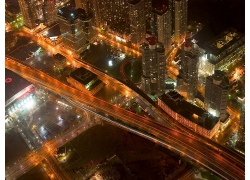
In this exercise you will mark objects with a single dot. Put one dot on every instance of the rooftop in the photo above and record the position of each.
(59, 57)
(188, 110)
(54, 31)
(83, 75)
(14, 84)
(223, 41)
(220, 76)
(160, 10)
(152, 40)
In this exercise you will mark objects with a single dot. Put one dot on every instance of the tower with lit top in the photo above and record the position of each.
(137, 21)
(162, 25)
(153, 66)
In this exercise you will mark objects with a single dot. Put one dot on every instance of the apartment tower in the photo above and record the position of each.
(153, 66)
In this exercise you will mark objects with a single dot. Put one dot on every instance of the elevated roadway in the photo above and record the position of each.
(226, 164)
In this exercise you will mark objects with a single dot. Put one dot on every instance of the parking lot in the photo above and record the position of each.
(52, 119)
(15, 147)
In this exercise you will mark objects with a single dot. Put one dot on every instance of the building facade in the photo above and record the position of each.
(84, 80)
(153, 66)
(222, 50)
(137, 21)
(29, 11)
(216, 93)
(49, 12)
(189, 115)
(76, 27)
(180, 20)
(187, 79)
(162, 25)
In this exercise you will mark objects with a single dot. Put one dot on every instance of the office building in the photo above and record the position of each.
(189, 115)
(162, 25)
(241, 129)
(29, 11)
(49, 12)
(153, 66)
(85, 81)
(216, 93)
(240, 144)
(75, 25)
(137, 21)
(222, 50)
(188, 75)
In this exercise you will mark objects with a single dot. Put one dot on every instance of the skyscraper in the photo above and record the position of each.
(29, 11)
(216, 93)
(180, 19)
(75, 27)
(241, 129)
(188, 75)
(137, 21)
(49, 12)
(162, 25)
(147, 8)
(153, 66)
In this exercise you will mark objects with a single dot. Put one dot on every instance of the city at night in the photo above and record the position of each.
(124, 90)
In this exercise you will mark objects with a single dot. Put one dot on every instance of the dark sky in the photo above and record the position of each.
(221, 13)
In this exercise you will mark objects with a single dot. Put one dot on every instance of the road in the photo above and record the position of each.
(217, 159)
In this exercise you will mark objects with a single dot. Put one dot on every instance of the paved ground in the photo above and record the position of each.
(37, 173)
(15, 147)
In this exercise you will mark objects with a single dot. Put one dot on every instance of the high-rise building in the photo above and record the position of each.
(162, 25)
(49, 12)
(112, 11)
(222, 50)
(75, 27)
(216, 93)
(153, 66)
(147, 8)
(137, 21)
(180, 18)
(188, 75)
(241, 129)
(29, 11)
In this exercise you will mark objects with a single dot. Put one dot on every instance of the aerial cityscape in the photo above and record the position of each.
(124, 90)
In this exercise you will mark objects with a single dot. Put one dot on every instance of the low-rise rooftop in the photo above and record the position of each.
(59, 57)
(14, 84)
(83, 75)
